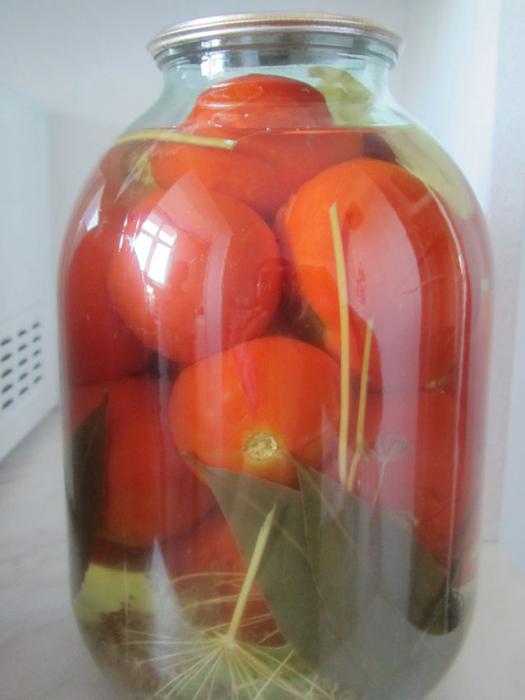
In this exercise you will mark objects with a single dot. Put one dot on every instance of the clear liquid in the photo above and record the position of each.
(333, 567)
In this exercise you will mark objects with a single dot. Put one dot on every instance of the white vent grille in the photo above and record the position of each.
(27, 373)
(21, 363)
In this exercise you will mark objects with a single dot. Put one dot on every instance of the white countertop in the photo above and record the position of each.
(43, 658)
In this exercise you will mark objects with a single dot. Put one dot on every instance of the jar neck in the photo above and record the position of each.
(368, 62)
(351, 72)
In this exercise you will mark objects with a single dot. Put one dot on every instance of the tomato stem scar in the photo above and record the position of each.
(261, 447)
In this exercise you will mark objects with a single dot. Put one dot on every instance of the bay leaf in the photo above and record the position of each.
(84, 490)
(381, 544)
(384, 590)
(350, 588)
(285, 572)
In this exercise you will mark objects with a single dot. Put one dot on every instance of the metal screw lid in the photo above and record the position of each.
(220, 26)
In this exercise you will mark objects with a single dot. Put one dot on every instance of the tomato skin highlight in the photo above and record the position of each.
(195, 273)
(283, 132)
(257, 408)
(403, 269)
(149, 492)
(98, 344)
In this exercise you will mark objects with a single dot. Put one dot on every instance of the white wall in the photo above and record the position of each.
(449, 66)
(508, 221)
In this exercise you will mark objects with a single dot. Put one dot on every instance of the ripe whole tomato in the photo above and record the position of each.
(98, 345)
(149, 492)
(195, 272)
(402, 265)
(257, 408)
(261, 102)
(283, 133)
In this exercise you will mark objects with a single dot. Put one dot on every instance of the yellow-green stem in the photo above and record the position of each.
(344, 323)
(272, 676)
(361, 411)
(253, 568)
(176, 137)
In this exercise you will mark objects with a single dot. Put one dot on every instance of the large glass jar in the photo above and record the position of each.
(275, 298)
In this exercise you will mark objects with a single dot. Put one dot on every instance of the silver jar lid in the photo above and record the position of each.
(229, 26)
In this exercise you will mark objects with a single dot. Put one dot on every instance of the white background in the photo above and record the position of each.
(86, 64)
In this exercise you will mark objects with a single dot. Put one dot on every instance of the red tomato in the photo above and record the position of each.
(258, 407)
(149, 493)
(195, 272)
(290, 285)
(237, 173)
(265, 167)
(261, 102)
(262, 170)
(417, 465)
(98, 345)
(294, 318)
(211, 549)
(403, 269)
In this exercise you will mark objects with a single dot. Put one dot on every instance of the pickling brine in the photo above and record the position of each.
(276, 307)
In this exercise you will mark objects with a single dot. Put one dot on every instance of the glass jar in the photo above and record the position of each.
(275, 296)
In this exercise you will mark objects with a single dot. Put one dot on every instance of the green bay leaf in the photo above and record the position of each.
(382, 588)
(284, 572)
(84, 490)
(350, 588)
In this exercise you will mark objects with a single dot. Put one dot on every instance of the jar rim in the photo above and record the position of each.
(231, 25)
